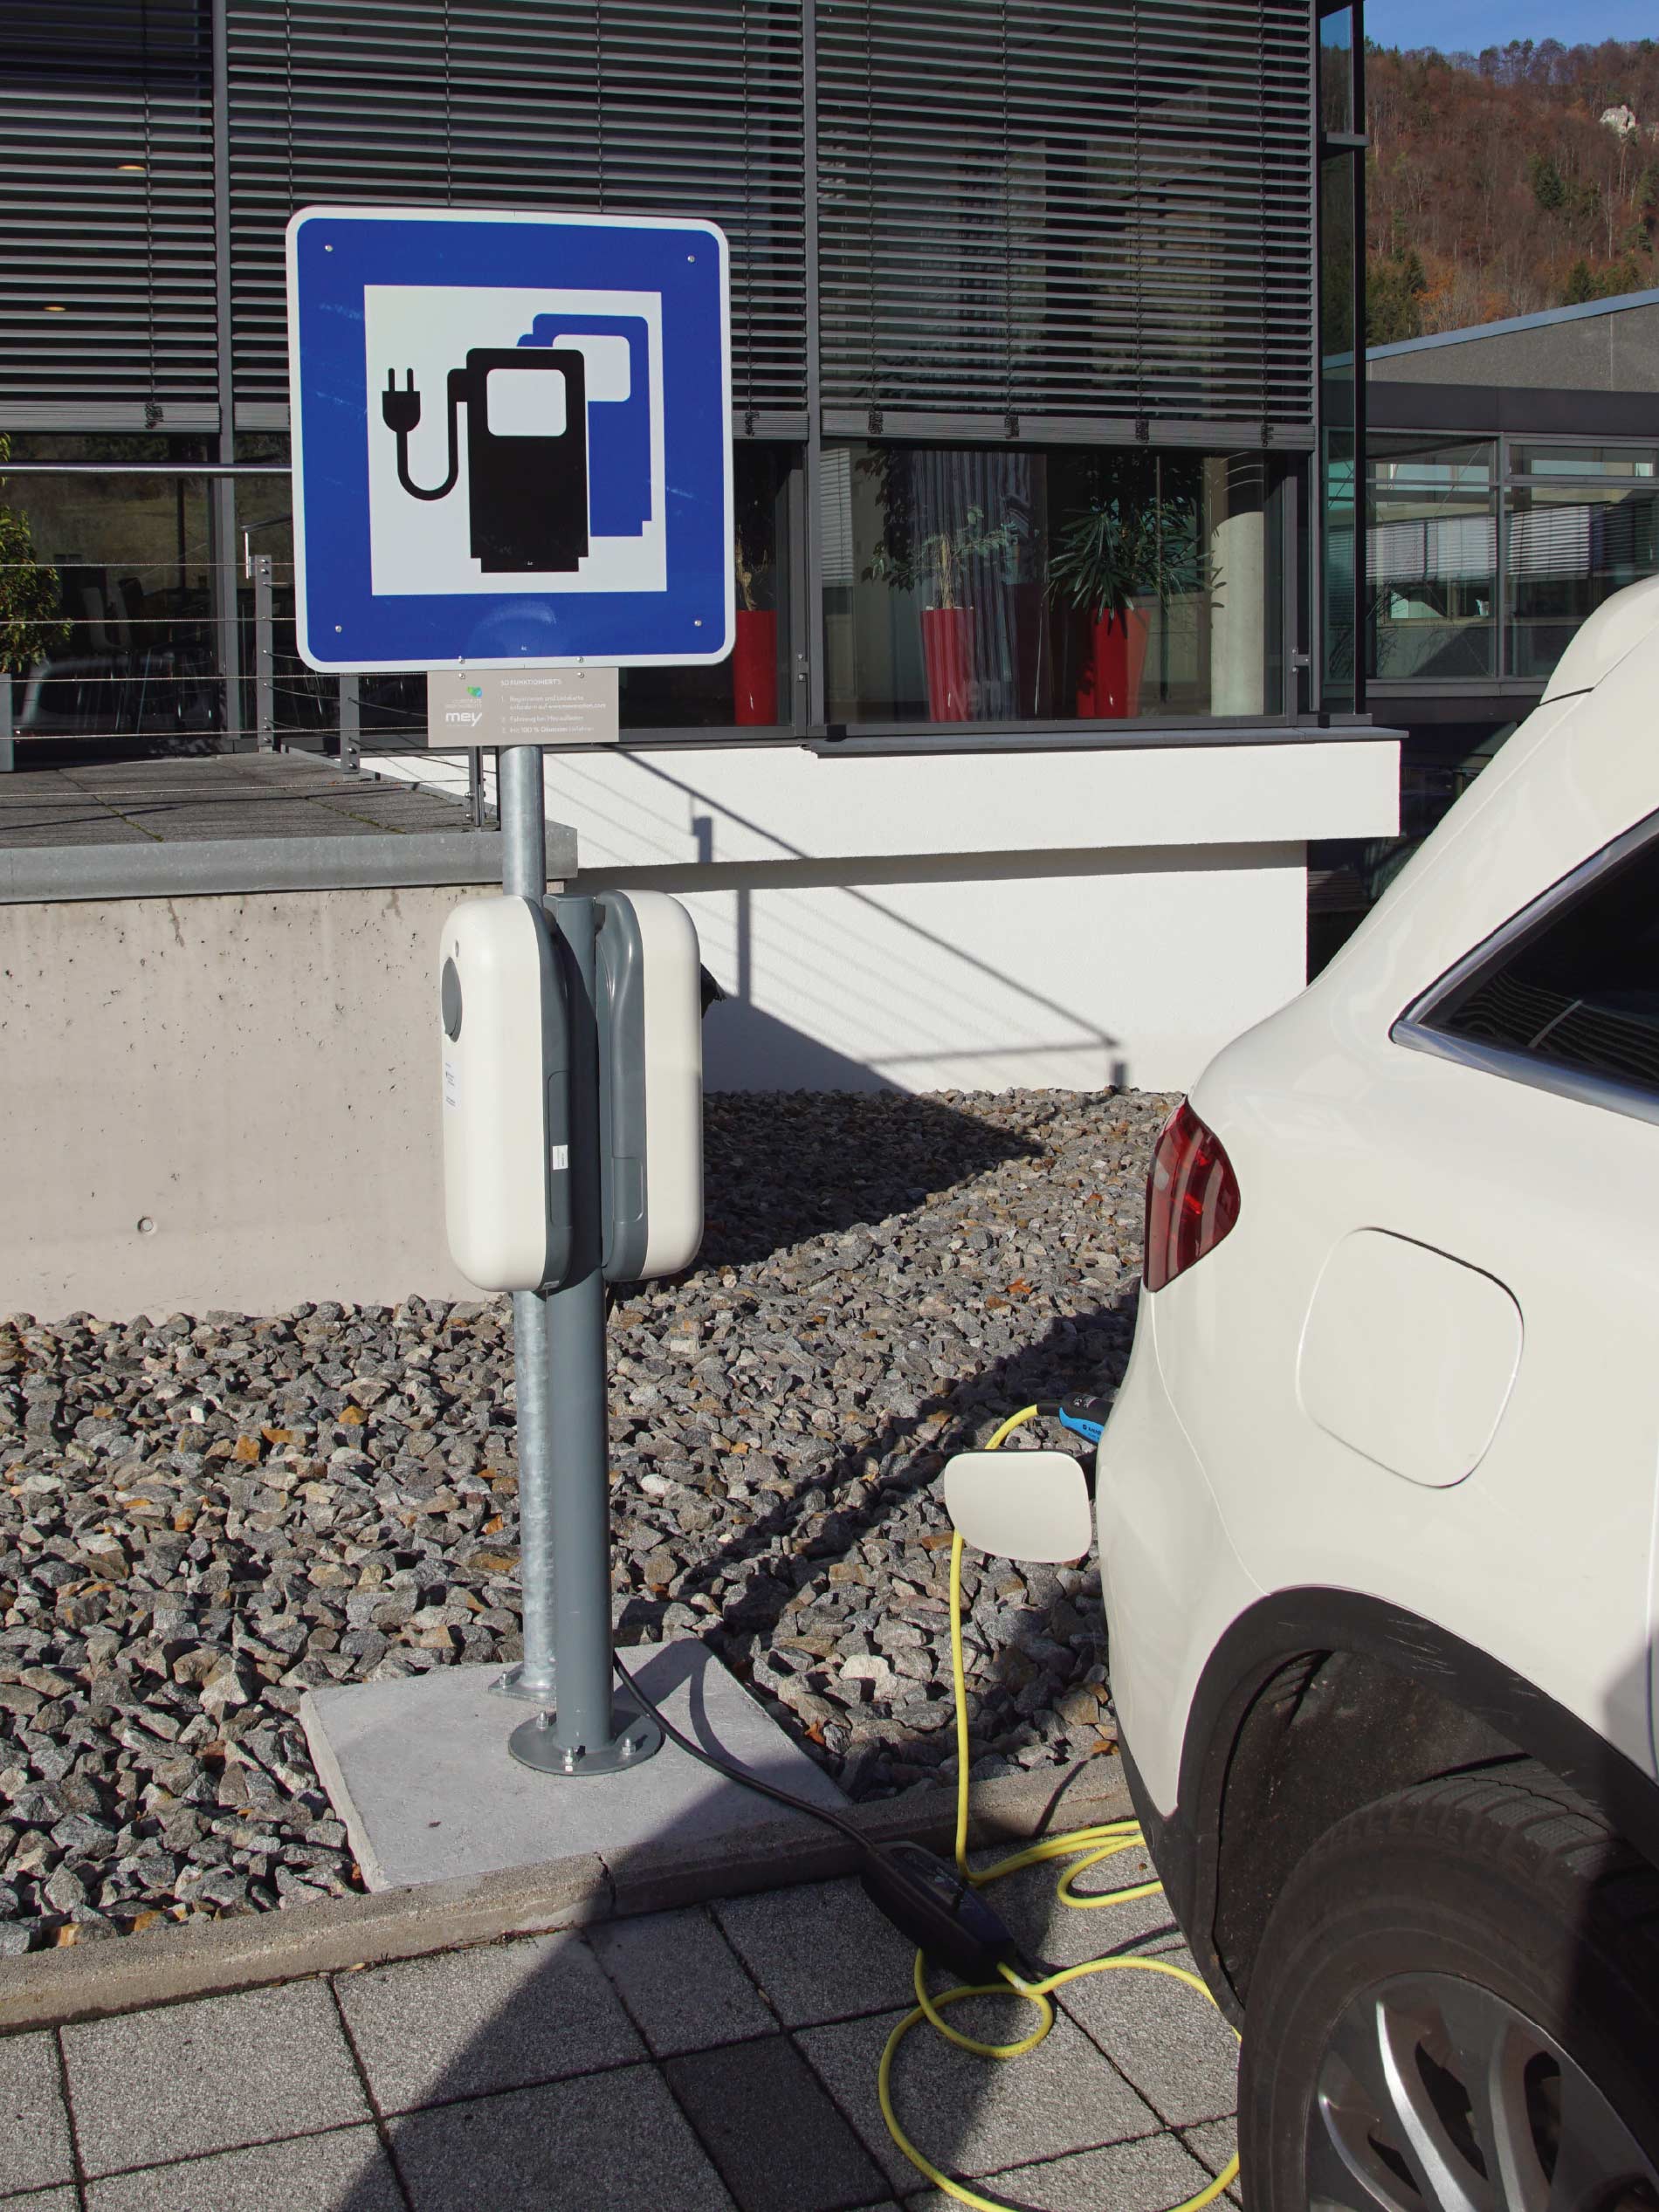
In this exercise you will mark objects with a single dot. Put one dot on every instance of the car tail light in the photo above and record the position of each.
(1191, 1197)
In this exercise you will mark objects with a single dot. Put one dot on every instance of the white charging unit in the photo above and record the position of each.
(505, 1034)
(648, 989)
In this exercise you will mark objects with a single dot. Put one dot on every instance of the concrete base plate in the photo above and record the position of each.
(419, 1771)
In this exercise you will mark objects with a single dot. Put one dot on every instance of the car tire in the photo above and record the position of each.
(1455, 2004)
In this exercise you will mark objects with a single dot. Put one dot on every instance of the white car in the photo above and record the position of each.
(1377, 1505)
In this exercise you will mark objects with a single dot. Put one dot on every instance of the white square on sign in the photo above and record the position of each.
(524, 407)
(422, 545)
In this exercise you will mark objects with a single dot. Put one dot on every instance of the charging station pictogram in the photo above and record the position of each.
(512, 439)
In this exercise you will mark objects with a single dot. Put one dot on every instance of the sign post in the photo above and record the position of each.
(512, 451)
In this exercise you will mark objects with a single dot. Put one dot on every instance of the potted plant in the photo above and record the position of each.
(31, 618)
(754, 657)
(1131, 542)
(937, 563)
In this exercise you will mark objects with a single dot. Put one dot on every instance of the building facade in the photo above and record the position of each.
(1048, 573)
(1512, 484)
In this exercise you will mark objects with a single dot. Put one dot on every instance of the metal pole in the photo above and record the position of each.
(475, 786)
(524, 874)
(558, 1362)
(264, 695)
(8, 750)
(351, 748)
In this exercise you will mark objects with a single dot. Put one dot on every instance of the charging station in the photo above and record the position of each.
(490, 410)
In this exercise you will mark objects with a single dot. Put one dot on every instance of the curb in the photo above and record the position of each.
(51, 1988)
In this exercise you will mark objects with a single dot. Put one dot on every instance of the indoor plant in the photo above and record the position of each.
(755, 654)
(1133, 541)
(936, 561)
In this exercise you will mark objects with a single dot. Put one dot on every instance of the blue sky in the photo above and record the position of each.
(1493, 22)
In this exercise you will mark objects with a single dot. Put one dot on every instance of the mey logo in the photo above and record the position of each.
(463, 716)
(515, 440)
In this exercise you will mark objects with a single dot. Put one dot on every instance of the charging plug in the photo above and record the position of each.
(943, 1915)
(400, 411)
(1084, 1417)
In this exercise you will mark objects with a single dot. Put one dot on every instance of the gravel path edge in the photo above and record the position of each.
(214, 1958)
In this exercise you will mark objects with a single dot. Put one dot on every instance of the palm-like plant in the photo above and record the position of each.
(31, 620)
(1135, 538)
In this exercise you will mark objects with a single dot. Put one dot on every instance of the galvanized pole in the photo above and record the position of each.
(8, 748)
(524, 874)
(559, 1361)
(265, 697)
(351, 728)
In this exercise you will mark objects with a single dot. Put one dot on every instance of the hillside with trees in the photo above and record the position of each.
(1499, 183)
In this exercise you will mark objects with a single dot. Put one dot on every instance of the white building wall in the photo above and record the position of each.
(975, 920)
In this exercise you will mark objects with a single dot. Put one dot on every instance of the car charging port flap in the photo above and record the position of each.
(939, 1911)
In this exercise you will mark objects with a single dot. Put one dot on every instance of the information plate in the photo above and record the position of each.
(521, 706)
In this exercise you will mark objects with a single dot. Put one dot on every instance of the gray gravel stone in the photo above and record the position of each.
(199, 1520)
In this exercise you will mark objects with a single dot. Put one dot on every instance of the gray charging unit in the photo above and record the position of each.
(572, 1088)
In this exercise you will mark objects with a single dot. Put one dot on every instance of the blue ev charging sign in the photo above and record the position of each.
(512, 439)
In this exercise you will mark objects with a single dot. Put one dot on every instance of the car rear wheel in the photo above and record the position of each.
(1456, 2008)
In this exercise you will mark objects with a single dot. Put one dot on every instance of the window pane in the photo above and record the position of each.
(1568, 551)
(966, 585)
(1582, 990)
(106, 599)
(1338, 461)
(1432, 561)
(1583, 460)
(751, 689)
(1336, 70)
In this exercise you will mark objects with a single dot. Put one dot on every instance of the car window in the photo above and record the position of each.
(1580, 989)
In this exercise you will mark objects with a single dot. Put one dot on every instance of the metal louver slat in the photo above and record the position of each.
(613, 106)
(106, 212)
(1077, 212)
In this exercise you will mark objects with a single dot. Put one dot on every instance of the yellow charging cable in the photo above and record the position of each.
(1085, 1847)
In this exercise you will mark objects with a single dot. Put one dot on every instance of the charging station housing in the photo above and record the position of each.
(648, 985)
(506, 1041)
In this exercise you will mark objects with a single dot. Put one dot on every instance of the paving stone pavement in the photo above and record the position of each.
(693, 2061)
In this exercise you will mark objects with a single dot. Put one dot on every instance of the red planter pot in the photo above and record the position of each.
(948, 655)
(1110, 691)
(754, 667)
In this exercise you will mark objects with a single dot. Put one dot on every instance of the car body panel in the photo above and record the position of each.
(1543, 1557)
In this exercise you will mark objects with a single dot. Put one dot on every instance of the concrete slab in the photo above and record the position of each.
(210, 2077)
(419, 1771)
(1169, 2039)
(614, 2140)
(1130, 2177)
(969, 2116)
(680, 1981)
(431, 2031)
(34, 2127)
(779, 2142)
(852, 1961)
(347, 2169)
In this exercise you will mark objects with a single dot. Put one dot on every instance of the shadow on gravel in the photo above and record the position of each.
(1086, 1352)
(781, 1168)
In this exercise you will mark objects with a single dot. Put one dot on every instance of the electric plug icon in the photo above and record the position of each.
(400, 411)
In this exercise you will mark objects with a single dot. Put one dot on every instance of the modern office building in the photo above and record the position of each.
(1045, 422)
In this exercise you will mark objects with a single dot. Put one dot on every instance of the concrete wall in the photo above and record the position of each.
(254, 1078)
(231, 1100)
(972, 921)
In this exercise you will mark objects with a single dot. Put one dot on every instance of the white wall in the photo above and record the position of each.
(971, 921)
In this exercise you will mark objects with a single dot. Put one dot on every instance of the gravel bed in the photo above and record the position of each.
(199, 1520)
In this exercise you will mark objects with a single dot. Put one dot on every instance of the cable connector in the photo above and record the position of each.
(1084, 1417)
(400, 411)
(939, 1911)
